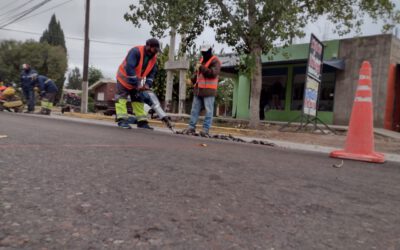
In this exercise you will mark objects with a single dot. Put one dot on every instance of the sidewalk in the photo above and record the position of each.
(387, 142)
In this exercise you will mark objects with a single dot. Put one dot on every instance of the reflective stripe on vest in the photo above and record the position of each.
(123, 77)
(207, 83)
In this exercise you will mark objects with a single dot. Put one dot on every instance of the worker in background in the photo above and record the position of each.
(205, 82)
(48, 91)
(28, 76)
(136, 73)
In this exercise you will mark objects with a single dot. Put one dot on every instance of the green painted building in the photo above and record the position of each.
(283, 78)
(284, 74)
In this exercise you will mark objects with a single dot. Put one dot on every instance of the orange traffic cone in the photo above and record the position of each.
(360, 137)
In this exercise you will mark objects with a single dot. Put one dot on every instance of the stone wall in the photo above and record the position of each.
(375, 49)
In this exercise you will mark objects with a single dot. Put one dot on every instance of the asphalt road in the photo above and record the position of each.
(70, 185)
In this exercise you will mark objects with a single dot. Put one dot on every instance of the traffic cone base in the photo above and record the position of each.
(372, 157)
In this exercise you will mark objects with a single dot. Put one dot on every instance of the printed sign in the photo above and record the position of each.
(314, 76)
(311, 96)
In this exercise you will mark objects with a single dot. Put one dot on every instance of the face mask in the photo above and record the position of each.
(207, 54)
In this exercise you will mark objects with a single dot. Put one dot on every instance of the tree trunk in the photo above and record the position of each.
(256, 84)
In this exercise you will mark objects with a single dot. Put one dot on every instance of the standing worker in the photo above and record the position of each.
(205, 83)
(48, 92)
(136, 73)
(28, 76)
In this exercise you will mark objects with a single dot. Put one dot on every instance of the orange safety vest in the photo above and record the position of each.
(122, 76)
(207, 83)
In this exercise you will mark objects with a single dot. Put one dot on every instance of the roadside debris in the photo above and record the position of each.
(338, 165)
(226, 138)
(3, 136)
(203, 145)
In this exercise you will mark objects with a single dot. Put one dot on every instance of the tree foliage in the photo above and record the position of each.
(50, 61)
(54, 35)
(253, 27)
(94, 75)
(161, 77)
(184, 16)
(75, 79)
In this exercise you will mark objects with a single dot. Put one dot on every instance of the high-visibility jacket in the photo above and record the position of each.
(130, 80)
(207, 83)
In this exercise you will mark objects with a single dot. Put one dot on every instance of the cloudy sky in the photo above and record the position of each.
(111, 36)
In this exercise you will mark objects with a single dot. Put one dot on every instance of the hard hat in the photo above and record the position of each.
(205, 47)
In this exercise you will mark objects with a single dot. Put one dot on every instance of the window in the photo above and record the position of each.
(299, 78)
(273, 90)
(100, 96)
(326, 92)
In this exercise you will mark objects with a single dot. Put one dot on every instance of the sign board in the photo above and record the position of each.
(313, 77)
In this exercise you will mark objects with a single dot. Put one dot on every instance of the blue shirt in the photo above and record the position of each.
(46, 85)
(28, 78)
(132, 60)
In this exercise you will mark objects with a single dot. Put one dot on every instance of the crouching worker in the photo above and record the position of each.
(48, 91)
(136, 73)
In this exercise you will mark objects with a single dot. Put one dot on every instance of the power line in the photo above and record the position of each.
(16, 8)
(24, 13)
(56, 6)
(8, 4)
(68, 37)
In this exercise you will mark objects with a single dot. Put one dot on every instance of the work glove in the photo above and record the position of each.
(134, 82)
(197, 67)
(145, 87)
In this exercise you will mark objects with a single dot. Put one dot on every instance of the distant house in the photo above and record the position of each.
(104, 92)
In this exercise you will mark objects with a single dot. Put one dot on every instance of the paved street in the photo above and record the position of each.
(71, 185)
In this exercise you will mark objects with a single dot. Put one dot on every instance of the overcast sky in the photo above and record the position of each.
(108, 25)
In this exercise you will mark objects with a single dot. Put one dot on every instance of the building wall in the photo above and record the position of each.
(393, 104)
(241, 98)
(375, 49)
(109, 90)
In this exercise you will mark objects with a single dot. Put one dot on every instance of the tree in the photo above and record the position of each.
(253, 26)
(75, 79)
(181, 15)
(161, 77)
(225, 93)
(94, 75)
(54, 35)
(48, 60)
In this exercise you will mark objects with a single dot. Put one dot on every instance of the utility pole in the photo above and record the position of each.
(170, 73)
(84, 100)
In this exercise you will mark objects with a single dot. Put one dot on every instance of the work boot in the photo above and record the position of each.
(132, 120)
(144, 124)
(124, 124)
(204, 134)
(189, 131)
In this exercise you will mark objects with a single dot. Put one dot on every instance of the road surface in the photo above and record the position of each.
(72, 185)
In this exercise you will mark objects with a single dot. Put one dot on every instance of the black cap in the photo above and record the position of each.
(154, 43)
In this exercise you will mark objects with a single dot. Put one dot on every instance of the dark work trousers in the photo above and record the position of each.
(30, 98)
